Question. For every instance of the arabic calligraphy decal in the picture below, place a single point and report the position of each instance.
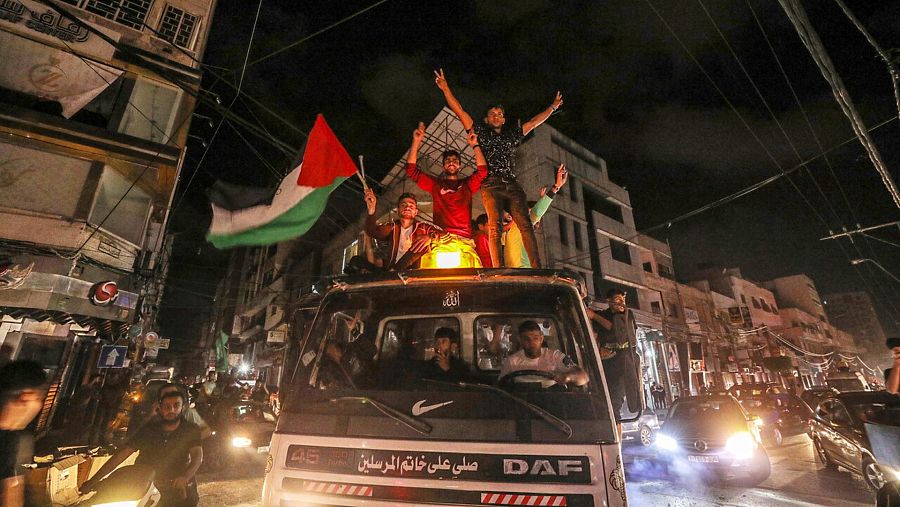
(451, 298)
(617, 478)
(449, 465)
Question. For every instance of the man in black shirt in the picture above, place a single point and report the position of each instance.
(614, 328)
(444, 365)
(171, 446)
(892, 374)
(22, 390)
(499, 146)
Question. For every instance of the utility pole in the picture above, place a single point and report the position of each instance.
(860, 230)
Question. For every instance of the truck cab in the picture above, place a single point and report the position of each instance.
(366, 420)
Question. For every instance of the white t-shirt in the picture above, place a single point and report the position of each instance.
(405, 241)
(551, 361)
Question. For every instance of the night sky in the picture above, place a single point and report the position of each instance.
(632, 95)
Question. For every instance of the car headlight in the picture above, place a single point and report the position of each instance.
(665, 442)
(241, 442)
(741, 445)
(129, 503)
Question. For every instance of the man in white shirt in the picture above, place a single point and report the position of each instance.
(534, 356)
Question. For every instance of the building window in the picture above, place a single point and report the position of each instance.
(577, 235)
(655, 307)
(648, 267)
(177, 27)
(563, 232)
(150, 113)
(122, 207)
(620, 251)
(608, 209)
(673, 311)
(755, 303)
(573, 191)
(666, 272)
(743, 299)
(765, 306)
(131, 13)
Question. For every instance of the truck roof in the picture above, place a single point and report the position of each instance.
(461, 274)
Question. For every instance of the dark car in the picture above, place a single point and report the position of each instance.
(242, 431)
(754, 389)
(780, 416)
(815, 394)
(714, 436)
(840, 433)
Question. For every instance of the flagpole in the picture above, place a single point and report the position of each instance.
(362, 176)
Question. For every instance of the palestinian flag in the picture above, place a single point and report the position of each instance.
(293, 208)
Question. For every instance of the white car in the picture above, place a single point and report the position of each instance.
(644, 429)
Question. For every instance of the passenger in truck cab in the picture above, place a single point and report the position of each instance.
(445, 365)
(532, 355)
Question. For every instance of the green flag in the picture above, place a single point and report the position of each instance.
(222, 352)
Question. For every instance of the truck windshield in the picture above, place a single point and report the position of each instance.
(448, 343)
(393, 338)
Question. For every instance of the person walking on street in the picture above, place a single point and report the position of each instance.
(169, 445)
(22, 391)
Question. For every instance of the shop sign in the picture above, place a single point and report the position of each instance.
(104, 293)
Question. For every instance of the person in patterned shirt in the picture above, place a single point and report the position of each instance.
(499, 144)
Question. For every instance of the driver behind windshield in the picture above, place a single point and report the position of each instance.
(532, 355)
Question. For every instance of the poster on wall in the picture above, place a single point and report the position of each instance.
(672, 357)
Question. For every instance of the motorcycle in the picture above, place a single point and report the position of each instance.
(127, 486)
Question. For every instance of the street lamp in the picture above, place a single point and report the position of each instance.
(856, 262)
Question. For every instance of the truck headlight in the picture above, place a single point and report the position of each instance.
(741, 445)
(241, 442)
(665, 442)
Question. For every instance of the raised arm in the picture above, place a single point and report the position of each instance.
(372, 228)
(543, 204)
(423, 180)
(474, 181)
(454, 104)
(543, 115)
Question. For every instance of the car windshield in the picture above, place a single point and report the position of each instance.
(385, 339)
(846, 384)
(711, 412)
(883, 411)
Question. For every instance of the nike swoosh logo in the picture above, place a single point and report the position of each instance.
(419, 408)
(445, 191)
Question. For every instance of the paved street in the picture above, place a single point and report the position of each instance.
(796, 480)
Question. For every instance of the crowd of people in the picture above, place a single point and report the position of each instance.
(502, 236)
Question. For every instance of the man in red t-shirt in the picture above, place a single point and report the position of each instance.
(452, 195)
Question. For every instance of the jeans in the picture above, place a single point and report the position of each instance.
(494, 193)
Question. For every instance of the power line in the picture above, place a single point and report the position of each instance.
(810, 39)
(314, 34)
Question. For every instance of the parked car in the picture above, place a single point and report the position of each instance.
(840, 435)
(814, 395)
(780, 416)
(713, 435)
(643, 429)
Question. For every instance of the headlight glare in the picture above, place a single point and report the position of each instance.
(240, 442)
(741, 445)
(665, 442)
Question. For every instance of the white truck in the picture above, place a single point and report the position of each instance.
(361, 424)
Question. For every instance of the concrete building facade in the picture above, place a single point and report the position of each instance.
(854, 313)
(93, 125)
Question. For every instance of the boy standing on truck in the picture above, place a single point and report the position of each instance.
(499, 144)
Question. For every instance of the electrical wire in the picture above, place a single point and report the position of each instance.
(314, 34)
(810, 38)
(212, 139)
